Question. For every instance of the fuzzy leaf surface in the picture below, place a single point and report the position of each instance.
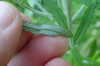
(50, 30)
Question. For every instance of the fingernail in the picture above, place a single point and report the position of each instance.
(7, 15)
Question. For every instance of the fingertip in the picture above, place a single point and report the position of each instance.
(57, 62)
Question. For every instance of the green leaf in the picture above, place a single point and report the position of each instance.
(56, 11)
(77, 57)
(88, 2)
(26, 5)
(98, 4)
(22, 3)
(85, 22)
(93, 48)
(45, 29)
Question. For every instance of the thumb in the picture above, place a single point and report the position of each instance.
(10, 31)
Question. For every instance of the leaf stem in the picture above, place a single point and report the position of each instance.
(76, 56)
(43, 9)
(69, 21)
(78, 12)
(31, 9)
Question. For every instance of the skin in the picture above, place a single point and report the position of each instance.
(30, 49)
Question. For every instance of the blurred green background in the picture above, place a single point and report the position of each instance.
(88, 49)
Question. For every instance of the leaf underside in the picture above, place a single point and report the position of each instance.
(50, 30)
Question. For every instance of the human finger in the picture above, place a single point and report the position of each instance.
(10, 31)
(57, 62)
(40, 50)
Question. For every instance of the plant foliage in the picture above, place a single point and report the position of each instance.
(50, 17)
